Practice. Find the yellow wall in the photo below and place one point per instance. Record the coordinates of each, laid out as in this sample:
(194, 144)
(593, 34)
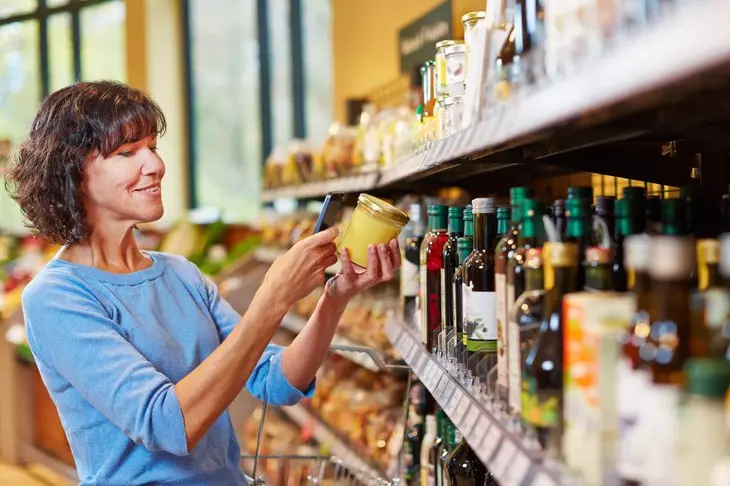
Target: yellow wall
(365, 42)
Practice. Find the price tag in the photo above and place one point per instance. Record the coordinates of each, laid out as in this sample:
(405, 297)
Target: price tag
(438, 376)
(418, 363)
(504, 456)
(448, 394)
(400, 339)
(441, 389)
(470, 423)
(455, 400)
(415, 348)
(518, 469)
(427, 373)
(490, 442)
(461, 410)
(543, 479)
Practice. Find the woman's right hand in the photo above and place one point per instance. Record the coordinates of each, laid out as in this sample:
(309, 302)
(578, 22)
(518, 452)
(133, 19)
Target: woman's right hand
(299, 271)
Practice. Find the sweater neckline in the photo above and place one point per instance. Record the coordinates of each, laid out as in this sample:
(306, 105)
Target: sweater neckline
(133, 278)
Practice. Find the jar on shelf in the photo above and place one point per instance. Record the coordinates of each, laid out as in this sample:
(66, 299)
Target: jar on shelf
(471, 20)
(455, 56)
(440, 74)
(453, 107)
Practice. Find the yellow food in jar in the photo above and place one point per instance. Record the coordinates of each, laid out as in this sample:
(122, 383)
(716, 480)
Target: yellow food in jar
(373, 222)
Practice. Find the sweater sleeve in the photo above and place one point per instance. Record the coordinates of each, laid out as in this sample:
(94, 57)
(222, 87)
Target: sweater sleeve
(71, 332)
(267, 378)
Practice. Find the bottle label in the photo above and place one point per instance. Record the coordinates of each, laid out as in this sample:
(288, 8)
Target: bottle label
(480, 319)
(539, 409)
(500, 285)
(632, 443)
(423, 301)
(409, 279)
(514, 353)
(662, 405)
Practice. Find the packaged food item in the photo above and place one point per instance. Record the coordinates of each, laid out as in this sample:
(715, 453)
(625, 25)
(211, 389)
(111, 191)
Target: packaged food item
(440, 75)
(455, 56)
(373, 222)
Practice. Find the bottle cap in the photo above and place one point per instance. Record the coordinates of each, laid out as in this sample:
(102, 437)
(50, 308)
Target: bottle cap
(577, 208)
(468, 213)
(533, 258)
(634, 192)
(598, 255)
(636, 252)
(708, 251)
(725, 254)
(671, 258)
(437, 210)
(484, 205)
(456, 212)
(563, 254)
(580, 192)
(605, 205)
(504, 212)
(520, 193)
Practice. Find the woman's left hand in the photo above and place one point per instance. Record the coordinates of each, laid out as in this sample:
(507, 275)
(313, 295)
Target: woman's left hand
(383, 261)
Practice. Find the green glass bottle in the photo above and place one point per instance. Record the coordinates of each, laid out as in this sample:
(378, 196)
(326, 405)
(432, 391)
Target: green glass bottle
(450, 260)
(598, 270)
(542, 373)
(628, 222)
(674, 215)
(578, 230)
(465, 247)
(464, 467)
(438, 444)
(504, 217)
(581, 192)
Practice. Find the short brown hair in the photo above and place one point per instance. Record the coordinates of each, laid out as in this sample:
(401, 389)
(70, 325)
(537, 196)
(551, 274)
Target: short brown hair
(74, 123)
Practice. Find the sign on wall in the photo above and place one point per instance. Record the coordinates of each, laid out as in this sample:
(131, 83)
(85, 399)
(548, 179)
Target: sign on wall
(417, 40)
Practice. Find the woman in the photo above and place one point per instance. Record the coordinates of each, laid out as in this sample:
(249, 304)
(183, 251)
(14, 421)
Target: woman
(139, 352)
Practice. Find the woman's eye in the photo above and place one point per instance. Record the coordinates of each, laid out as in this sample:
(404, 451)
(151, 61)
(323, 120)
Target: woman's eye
(126, 153)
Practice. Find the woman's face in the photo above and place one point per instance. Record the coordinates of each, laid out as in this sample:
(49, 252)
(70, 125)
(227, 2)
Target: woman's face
(126, 185)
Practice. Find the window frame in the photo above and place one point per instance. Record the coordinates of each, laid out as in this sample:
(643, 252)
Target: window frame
(40, 15)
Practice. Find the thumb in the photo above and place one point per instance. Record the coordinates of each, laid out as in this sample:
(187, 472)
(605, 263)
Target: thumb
(323, 237)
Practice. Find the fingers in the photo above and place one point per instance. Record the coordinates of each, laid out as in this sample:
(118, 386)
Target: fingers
(347, 268)
(329, 260)
(323, 237)
(372, 275)
(386, 267)
(395, 253)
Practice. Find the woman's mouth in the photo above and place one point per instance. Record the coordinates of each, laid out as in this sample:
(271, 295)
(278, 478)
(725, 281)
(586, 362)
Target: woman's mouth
(149, 189)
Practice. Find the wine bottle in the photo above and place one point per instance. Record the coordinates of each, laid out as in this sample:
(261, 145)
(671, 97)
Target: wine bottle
(411, 256)
(671, 262)
(438, 444)
(524, 324)
(464, 467)
(578, 230)
(465, 246)
(653, 215)
(605, 212)
(542, 372)
(478, 293)
(450, 260)
(558, 217)
(629, 220)
(674, 214)
(431, 263)
(428, 469)
(598, 270)
(504, 218)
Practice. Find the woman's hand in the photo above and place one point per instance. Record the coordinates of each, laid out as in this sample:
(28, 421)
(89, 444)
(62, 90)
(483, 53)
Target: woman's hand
(299, 271)
(383, 261)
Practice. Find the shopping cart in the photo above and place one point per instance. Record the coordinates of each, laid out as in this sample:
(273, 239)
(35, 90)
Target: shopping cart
(304, 470)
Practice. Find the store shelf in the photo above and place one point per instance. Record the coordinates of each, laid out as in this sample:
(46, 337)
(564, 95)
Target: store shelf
(500, 450)
(647, 70)
(350, 184)
(322, 433)
(295, 324)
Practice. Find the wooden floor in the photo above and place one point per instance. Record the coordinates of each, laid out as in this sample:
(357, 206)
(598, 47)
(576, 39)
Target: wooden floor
(33, 475)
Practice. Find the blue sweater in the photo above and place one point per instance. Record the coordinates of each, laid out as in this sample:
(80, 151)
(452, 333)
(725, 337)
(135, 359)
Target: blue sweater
(111, 347)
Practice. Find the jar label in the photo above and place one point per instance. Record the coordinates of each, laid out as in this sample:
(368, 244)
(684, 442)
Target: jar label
(410, 278)
(480, 319)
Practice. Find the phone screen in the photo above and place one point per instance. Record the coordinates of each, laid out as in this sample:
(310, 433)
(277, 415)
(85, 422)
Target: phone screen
(330, 212)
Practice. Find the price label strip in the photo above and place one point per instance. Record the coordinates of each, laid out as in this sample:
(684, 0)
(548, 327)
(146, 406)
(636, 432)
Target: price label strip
(440, 394)
(518, 469)
(501, 463)
(419, 363)
(460, 413)
(543, 479)
(470, 423)
(448, 394)
(454, 402)
(490, 443)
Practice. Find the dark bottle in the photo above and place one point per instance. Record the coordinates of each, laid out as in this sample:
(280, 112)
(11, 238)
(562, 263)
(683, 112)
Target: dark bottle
(635, 195)
(559, 217)
(438, 444)
(414, 437)
(447, 449)
(598, 270)
(634, 376)
(530, 236)
(605, 212)
(581, 192)
(524, 325)
(578, 231)
(667, 347)
(411, 260)
(478, 296)
(653, 215)
(464, 467)
(450, 260)
(504, 218)
(627, 223)
(503, 252)
(542, 373)
(431, 263)
(689, 194)
(465, 246)
(674, 214)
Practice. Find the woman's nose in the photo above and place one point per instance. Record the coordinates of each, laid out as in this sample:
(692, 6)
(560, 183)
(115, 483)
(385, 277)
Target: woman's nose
(153, 164)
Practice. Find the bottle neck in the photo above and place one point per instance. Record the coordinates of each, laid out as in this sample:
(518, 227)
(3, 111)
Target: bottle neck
(502, 226)
(598, 277)
(456, 227)
(708, 275)
(565, 280)
(468, 227)
(578, 227)
(534, 279)
(485, 227)
(464, 253)
(437, 223)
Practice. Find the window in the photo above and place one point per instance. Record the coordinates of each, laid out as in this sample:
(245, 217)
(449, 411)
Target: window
(260, 74)
(41, 46)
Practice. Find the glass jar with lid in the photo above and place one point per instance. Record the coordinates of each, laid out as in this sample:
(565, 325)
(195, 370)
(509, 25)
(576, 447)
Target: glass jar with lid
(440, 74)
(455, 56)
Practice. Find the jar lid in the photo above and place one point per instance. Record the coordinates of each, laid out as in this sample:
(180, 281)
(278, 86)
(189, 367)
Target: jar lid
(470, 16)
(447, 43)
(381, 207)
(454, 49)
(597, 254)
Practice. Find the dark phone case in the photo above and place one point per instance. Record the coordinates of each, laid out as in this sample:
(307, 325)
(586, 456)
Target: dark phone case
(330, 211)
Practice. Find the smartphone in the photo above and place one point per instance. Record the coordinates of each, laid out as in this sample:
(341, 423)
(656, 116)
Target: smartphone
(330, 211)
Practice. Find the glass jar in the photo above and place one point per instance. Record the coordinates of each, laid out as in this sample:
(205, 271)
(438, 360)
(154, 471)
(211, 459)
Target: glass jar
(470, 21)
(455, 56)
(373, 222)
(453, 107)
(440, 74)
